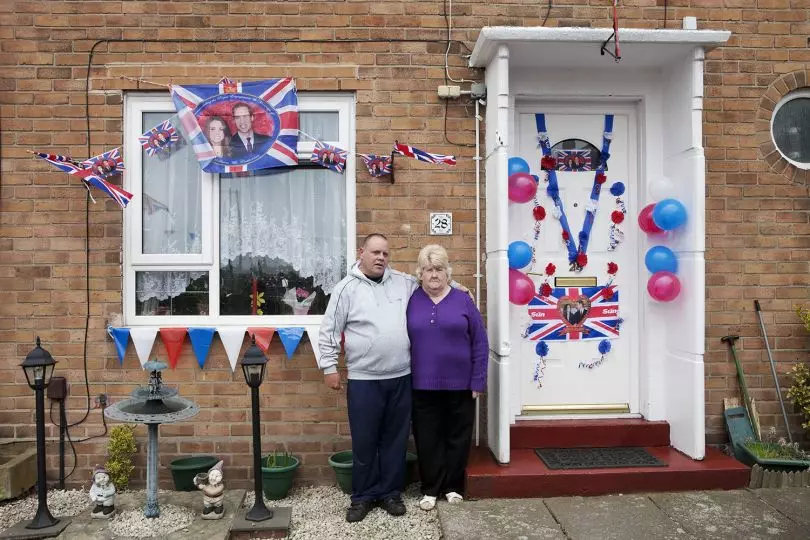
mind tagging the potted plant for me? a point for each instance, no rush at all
(775, 456)
(341, 462)
(185, 469)
(278, 470)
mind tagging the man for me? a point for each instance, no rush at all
(246, 142)
(368, 307)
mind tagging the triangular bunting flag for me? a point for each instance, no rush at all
(121, 338)
(144, 338)
(263, 337)
(313, 333)
(201, 339)
(232, 338)
(173, 339)
(290, 338)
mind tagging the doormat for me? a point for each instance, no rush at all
(597, 458)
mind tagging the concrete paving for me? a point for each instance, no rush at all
(770, 514)
(83, 526)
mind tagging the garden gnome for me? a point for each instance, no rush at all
(102, 492)
(213, 492)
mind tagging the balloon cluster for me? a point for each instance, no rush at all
(656, 219)
(522, 188)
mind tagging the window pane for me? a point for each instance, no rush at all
(171, 293)
(321, 125)
(791, 129)
(171, 203)
(282, 241)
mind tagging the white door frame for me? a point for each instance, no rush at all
(630, 308)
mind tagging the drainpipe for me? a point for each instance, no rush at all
(477, 243)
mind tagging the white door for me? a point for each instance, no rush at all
(575, 320)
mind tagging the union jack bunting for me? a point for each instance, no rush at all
(573, 160)
(421, 155)
(87, 175)
(329, 156)
(377, 165)
(574, 314)
(106, 165)
(237, 127)
(160, 138)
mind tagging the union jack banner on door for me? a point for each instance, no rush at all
(237, 127)
(575, 314)
(573, 160)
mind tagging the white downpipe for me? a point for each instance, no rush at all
(477, 244)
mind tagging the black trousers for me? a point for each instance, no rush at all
(442, 427)
(379, 419)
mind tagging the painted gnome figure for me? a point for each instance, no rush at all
(102, 493)
(213, 492)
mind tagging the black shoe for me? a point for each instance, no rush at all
(358, 511)
(393, 505)
(219, 509)
(98, 509)
(108, 510)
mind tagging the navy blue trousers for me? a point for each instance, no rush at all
(380, 420)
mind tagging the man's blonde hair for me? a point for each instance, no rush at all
(432, 256)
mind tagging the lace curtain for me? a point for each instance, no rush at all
(297, 216)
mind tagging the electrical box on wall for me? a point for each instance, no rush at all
(441, 223)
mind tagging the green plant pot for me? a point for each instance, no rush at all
(277, 481)
(185, 469)
(341, 462)
(773, 464)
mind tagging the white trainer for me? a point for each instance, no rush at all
(427, 503)
(454, 498)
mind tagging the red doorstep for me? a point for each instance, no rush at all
(527, 476)
(588, 433)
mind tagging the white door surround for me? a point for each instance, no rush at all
(661, 71)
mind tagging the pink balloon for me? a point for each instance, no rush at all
(645, 220)
(522, 187)
(521, 287)
(664, 286)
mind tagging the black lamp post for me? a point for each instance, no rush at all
(38, 367)
(253, 365)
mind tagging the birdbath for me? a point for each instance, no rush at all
(153, 404)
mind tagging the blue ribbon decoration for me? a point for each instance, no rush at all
(553, 189)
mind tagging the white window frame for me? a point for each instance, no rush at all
(134, 260)
(798, 94)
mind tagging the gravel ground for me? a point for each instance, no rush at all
(60, 502)
(320, 513)
(134, 523)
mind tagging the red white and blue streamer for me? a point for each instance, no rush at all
(421, 155)
(83, 171)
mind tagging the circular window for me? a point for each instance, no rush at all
(790, 128)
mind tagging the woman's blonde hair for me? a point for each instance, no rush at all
(432, 256)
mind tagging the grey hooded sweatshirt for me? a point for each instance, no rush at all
(371, 316)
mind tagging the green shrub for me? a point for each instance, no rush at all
(120, 449)
(799, 392)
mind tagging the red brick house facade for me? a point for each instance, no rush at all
(389, 57)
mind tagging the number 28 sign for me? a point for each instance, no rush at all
(441, 223)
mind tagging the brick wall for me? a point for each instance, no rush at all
(757, 215)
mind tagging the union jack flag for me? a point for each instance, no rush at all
(329, 156)
(272, 107)
(421, 155)
(106, 165)
(573, 160)
(160, 138)
(574, 314)
(88, 176)
(377, 165)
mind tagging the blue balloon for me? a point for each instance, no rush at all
(519, 254)
(517, 165)
(661, 259)
(669, 214)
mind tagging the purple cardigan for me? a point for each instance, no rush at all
(449, 347)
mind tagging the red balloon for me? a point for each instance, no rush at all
(645, 220)
(522, 187)
(521, 287)
(664, 286)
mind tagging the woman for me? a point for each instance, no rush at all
(449, 353)
(219, 135)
